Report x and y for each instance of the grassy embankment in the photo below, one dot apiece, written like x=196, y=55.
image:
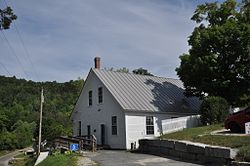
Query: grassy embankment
x=203, y=135
x=4, y=152
x=60, y=160
x=24, y=160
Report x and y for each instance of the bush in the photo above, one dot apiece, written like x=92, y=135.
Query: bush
x=244, y=154
x=214, y=110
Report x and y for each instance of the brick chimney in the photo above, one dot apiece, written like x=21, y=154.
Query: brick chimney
x=97, y=62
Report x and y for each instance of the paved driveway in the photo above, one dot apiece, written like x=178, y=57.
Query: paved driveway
x=124, y=158
x=5, y=159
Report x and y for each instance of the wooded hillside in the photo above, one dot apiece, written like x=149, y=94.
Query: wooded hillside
x=20, y=106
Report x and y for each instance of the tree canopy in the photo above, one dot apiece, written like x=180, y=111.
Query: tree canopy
x=218, y=62
x=19, y=110
x=6, y=17
x=142, y=71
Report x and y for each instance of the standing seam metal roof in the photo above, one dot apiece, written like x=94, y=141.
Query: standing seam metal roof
x=147, y=93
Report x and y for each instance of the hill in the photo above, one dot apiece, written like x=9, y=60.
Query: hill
x=20, y=106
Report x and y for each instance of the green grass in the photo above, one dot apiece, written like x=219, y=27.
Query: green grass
x=21, y=155
x=4, y=152
x=60, y=160
x=202, y=135
x=27, y=160
x=192, y=133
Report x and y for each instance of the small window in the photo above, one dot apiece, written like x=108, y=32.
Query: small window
x=114, y=125
x=100, y=95
x=79, y=128
x=150, y=125
x=90, y=98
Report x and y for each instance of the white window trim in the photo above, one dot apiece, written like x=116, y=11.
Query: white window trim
x=150, y=125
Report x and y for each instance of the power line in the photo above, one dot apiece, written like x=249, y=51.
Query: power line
x=3, y=66
x=24, y=47
x=26, y=51
x=14, y=53
x=5, y=2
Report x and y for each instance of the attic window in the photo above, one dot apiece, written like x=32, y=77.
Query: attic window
x=79, y=128
x=149, y=125
x=100, y=95
x=90, y=98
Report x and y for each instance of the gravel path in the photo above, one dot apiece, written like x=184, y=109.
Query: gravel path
x=86, y=161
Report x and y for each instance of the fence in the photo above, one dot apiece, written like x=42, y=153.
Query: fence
x=176, y=124
x=84, y=142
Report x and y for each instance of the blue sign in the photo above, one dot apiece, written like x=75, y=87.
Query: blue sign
x=74, y=147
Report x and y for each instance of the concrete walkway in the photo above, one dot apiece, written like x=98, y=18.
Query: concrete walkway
x=41, y=157
x=124, y=158
x=225, y=132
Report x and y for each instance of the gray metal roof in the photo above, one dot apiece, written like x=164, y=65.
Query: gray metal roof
x=147, y=93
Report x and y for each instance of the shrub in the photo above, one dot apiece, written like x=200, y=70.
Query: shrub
x=244, y=153
x=214, y=110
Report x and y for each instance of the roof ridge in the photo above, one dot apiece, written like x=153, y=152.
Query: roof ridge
x=139, y=75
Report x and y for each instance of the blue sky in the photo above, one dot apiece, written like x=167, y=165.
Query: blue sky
x=62, y=37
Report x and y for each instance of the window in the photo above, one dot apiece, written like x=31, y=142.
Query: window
x=114, y=125
x=150, y=125
x=90, y=98
x=100, y=95
x=79, y=128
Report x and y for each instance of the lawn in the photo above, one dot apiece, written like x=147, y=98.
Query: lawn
x=202, y=135
x=60, y=160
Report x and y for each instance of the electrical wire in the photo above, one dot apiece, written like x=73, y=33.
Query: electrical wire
x=24, y=47
x=14, y=53
x=3, y=66
x=26, y=51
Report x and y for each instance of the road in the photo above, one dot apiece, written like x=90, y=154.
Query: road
x=5, y=159
x=124, y=158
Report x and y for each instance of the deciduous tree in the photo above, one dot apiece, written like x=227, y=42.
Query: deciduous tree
x=218, y=62
x=6, y=17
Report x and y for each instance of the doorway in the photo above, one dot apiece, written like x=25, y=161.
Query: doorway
x=102, y=134
x=88, y=131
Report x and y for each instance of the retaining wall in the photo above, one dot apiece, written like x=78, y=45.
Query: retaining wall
x=196, y=152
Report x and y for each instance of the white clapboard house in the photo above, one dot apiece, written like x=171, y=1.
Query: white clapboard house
x=121, y=108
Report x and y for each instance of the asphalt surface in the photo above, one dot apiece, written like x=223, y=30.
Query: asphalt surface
x=124, y=158
x=5, y=159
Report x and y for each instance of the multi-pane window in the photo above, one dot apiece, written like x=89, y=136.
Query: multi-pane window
x=90, y=98
x=150, y=125
x=79, y=128
x=114, y=125
x=100, y=95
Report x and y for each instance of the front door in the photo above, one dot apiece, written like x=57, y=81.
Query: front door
x=102, y=134
x=88, y=131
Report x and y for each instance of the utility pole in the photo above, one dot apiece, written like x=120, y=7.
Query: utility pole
x=40, y=124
